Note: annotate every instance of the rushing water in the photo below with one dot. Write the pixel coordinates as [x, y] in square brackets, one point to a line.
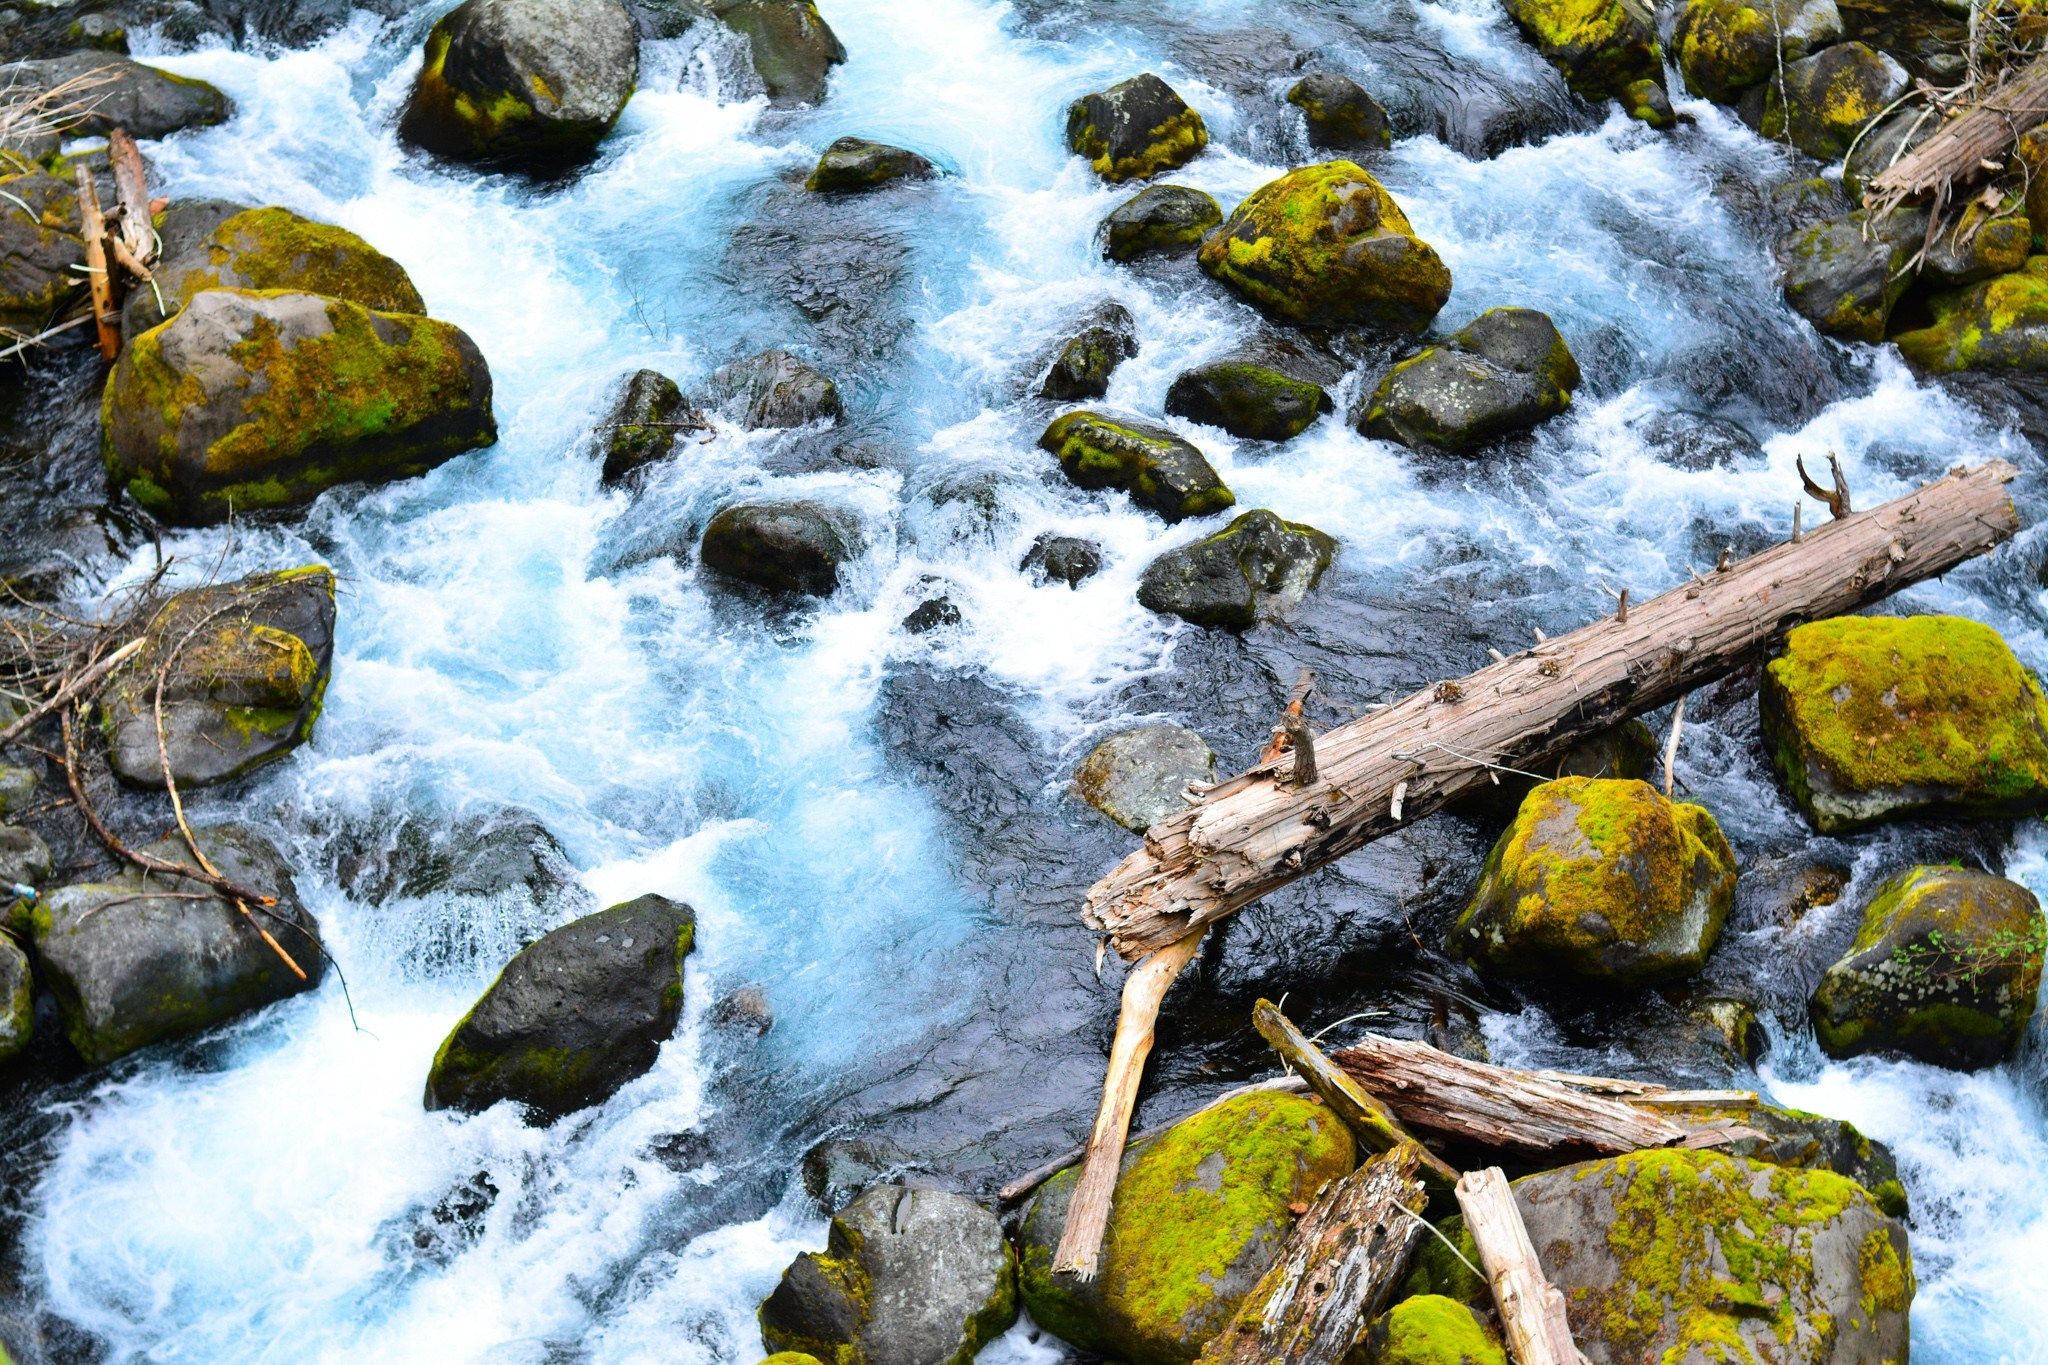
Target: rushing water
[870, 823]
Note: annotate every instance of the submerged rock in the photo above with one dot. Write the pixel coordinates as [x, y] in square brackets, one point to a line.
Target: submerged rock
[1198, 1214]
[1085, 363]
[776, 390]
[1827, 98]
[1504, 372]
[1601, 46]
[1430, 1329]
[1062, 559]
[146, 101]
[906, 1276]
[1846, 274]
[535, 83]
[1341, 116]
[248, 664]
[1600, 880]
[1135, 130]
[781, 546]
[17, 999]
[1945, 968]
[793, 48]
[1727, 46]
[643, 424]
[1157, 468]
[1253, 394]
[1259, 566]
[1869, 718]
[577, 1014]
[934, 613]
[1327, 246]
[1136, 777]
[40, 251]
[1998, 324]
[130, 966]
[854, 165]
[1159, 220]
[247, 401]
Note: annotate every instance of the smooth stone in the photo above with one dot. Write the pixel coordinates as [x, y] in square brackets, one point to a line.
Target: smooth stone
[1136, 777]
[776, 390]
[795, 547]
[1158, 469]
[642, 426]
[792, 47]
[1159, 220]
[145, 101]
[1341, 116]
[854, 165]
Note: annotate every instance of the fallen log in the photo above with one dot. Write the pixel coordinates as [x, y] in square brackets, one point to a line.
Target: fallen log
[1970, 146]
[1336, 1272]
[92, 227]
[1532, 1315]
[1256, 832]
[1364, 1115]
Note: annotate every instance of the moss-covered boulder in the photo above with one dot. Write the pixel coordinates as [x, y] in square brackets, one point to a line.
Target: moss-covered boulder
[1086, 359]
[1258, 567]
[1648, 102]
[535, 84]
[855, 165]
[1997, 324]
[1600, 880]
[1601, 46]
[272, 248]
[1726, 46]
[1981, 243]
[1252, 394]
[906, 1275]
[244, 668]
[1135, 129]
[792, 47]
[1826, 99]
[1808, 1142]
[1157, 468]
[1505, 372]
[1159, 220]
[41, 253]
[794, 547]
[1136, 776]
[145, 100]
[1678, 1255]
[136, 959]
[1340, 114]
[1430, 1329]
[250, 400]
[1873, 717]
[1199, 1213]
[648, 415]
[579, 1012]
[1945, 967]
[17, 999]
[1846, 274]
[1327, 246]
[776, 390]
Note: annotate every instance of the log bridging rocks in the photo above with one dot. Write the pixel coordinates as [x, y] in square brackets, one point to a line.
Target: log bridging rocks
[1966, 148]
[1256, 832]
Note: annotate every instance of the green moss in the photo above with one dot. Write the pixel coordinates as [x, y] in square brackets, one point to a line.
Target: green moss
[1430, 1329]
[274, 248]
[1601, 46]
[2000, 323]
[485, 123]
[1154, 466]
[792, 1358]
[1725, 47]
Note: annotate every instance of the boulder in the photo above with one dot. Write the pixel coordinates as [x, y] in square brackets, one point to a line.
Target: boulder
[129, 966]
[1087, 359]
[1981, 243]
[1254, 394]
[907, 1277]
[1135, 130]
[1601, 46]
[40, 251]
[1647, 101]
[1883, 144]
[1845, 275]
[534, 84]
[578, 1013]
[643, 424]
[1869, 718]
[272, 248]
[1136, 777]
[1945, 968]
[934, 613]
[1727, 46]
[780, 546]
[1159, 220]
[1062, 559]
[1997, 324]
[248, 664]
[1327, 246]
[1827, 98]
[775, 389]
[1673, 1255]
[1258, 567]
[17, 789]
[1505, 372]
[1199, 1213]
[793, 48]
[17, 1000]
[854, 165]
[1157, 468]
[147, 102]
[1600, 880]
[24, 860]
[1809, 1142]
[247, 401]
[1341, 116]
[1430, 1329]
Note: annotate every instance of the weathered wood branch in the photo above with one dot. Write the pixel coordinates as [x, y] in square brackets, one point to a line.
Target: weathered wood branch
[1958, 151]
[1336, 1272]
[131, 193]
[92, 227]
[1256, 832]
[1531, 1308]
[1363, 1114]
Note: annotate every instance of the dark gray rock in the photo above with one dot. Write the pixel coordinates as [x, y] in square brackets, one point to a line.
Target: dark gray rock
[934, 613]
[1505, 372]
[854, 165]
[17, 1000]
[1255, 395]
[1845, 275]
[781, 546]
[793, 48]
[476, 855]
[907, 1277]
[40, 252]
[147, 102]
[129, 966]
[643, 424]
[1160, 220]
[668, 18]
[1979, 244]
[775, 389]
[1884, 144]
[1136, 777]
[1135, 129]
[577, 1014]
[1826, 98]
[1258, 566]
[1062, 559]
[1082, 368]
[24, 860]
[1341, 116]
[1157, 468]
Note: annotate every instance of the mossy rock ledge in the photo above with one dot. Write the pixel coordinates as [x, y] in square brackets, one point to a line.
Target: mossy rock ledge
[1158, 469]
[1727, 46]
[1430, 1329]
[1600, 880]
[906, 1275]
[1262, 392]
[256, 399]
[1136, 129]
[1504, 372]
[40, 251]
[1946, 967]
[1601, 46]
[1327, 246]
[248, 664]
[147, 101]
[576, 1014]
[1675, 1255]
[1260, 566]
[533, 84]
[1997, 324]
[1869, 718]
[1199, 1214]
[1846, 274]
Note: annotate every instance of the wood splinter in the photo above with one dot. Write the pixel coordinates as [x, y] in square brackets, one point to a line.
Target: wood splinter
[1837, 500]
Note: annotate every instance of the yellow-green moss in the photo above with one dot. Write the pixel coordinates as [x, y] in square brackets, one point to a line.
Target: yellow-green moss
[1154, 466]
[274, 248]
[1430, 1329]
[1724, 47]
[2000, 323]
[1601, 46]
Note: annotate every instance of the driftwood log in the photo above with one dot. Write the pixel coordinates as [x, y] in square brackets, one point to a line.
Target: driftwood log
[1336, 1272]
[1364, 1115]
[1532, 1310]
[1969, 147]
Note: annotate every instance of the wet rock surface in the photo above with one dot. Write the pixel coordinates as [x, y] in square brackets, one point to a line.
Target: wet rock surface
[1341, 115]
[1258, 566]
[1088, 358]
[1504, 372]
[775, 389]
[1262, 393]
[795, 547]
[793, 48]
[643, 425]
[1137, 778]
[855, 165]
[144, 100]
[1136, 129]
[1159, 220]
[1158, 469]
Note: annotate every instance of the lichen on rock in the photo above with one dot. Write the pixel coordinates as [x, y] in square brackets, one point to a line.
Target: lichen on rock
[1601, 46]
[1506, 371]
[1259, 566]
[1157, 468]
[1135, 129]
